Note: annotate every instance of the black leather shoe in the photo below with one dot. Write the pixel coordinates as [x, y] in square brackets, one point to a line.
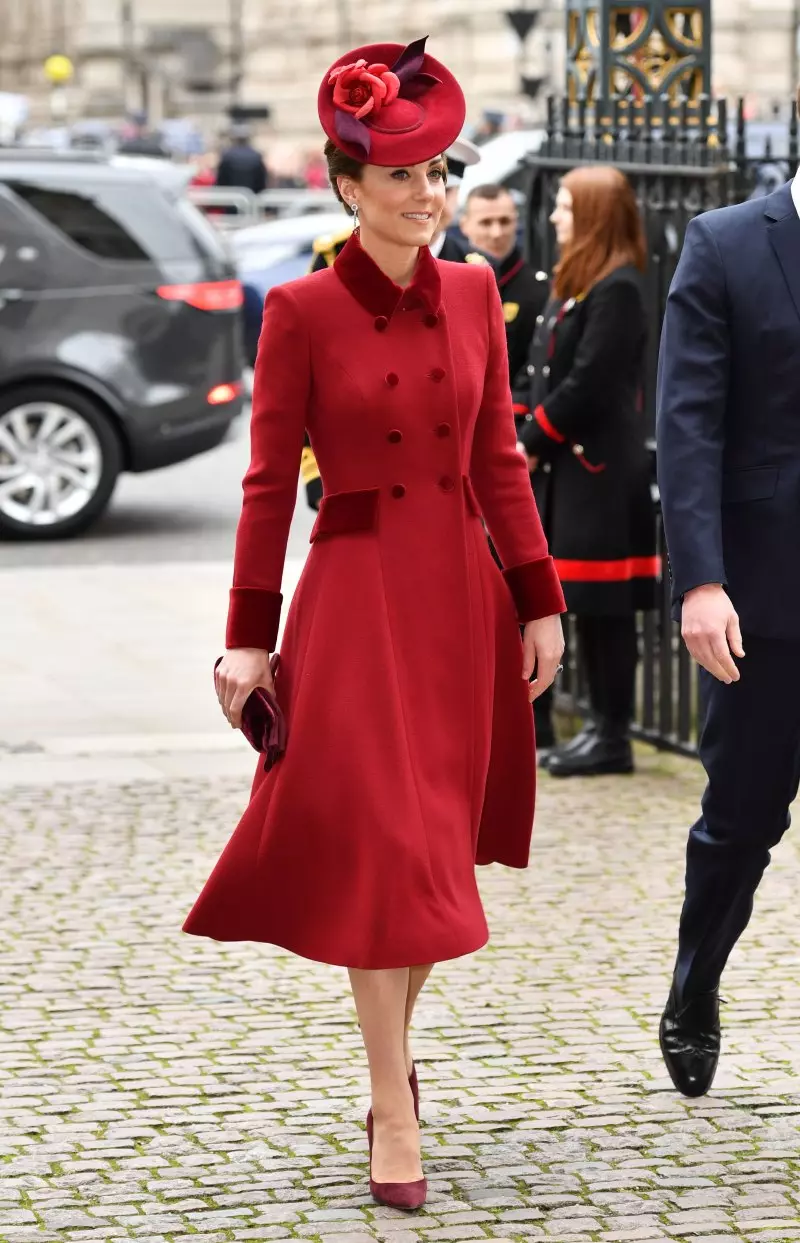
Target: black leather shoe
[689, 1036]
[595, 756]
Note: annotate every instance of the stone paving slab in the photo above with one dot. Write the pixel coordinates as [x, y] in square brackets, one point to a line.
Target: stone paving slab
[159, 1087]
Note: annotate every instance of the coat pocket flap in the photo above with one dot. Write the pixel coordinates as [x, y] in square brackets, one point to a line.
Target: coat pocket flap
[342, 513]
[753, 483]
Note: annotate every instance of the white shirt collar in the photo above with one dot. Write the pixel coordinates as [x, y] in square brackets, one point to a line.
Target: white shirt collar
[796, 192]
[438, 242]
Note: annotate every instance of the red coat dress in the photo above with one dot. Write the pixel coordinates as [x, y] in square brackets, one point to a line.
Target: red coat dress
[410, 754]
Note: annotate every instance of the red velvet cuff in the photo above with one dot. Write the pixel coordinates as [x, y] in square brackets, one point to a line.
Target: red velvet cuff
[535, 589]
[254, 616]
[547, 427]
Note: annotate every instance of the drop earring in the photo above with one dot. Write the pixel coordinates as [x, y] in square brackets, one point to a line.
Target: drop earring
[354, 209]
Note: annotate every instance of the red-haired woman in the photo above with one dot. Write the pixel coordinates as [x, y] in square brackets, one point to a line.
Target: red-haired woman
[586, 441]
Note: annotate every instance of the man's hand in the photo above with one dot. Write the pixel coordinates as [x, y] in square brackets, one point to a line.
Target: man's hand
[710, 629]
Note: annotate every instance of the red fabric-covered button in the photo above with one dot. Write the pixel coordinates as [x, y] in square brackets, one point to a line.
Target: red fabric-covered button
[394, 436]
[381, 323]
[392, 379]
[443, 429]
[438, 374]
[398, 491]
[431, 321]
[446, 483]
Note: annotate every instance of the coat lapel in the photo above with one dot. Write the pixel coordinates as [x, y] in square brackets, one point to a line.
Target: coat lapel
[784, 234]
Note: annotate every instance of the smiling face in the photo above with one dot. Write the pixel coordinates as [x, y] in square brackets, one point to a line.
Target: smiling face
[400, 206]
[561, 218]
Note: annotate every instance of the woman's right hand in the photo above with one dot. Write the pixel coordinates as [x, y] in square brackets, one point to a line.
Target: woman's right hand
[237, 675]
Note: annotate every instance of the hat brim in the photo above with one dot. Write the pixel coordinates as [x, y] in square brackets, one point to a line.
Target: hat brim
[431, 121]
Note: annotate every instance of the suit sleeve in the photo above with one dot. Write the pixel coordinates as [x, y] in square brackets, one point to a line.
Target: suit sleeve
[280, 398]
[693, 377]
[502, 485]
[611, 336]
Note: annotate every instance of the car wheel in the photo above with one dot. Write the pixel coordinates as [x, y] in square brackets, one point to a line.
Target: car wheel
[59, 461]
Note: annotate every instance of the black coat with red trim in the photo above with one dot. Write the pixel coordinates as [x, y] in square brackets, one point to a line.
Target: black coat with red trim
[587, 429]
[524, 295]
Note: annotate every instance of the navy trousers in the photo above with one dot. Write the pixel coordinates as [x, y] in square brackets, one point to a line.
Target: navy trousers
[750, 749]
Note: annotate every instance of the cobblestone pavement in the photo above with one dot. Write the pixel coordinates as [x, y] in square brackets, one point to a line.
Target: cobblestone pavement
[155, 1086]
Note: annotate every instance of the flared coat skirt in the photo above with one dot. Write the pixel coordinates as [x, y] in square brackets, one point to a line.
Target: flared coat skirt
[410, 755]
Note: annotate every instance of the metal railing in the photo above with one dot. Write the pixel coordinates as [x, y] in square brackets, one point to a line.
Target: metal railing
[234, 208]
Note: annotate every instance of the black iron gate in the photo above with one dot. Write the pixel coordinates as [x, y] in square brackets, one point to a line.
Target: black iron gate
[682, 159]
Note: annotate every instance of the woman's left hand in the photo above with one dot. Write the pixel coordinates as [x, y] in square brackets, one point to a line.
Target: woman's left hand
[543, 647]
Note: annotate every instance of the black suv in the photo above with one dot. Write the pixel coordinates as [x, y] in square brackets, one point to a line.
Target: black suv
[120, 335]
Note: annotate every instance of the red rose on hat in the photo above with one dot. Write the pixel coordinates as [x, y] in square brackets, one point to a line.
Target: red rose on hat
[390, 105]
[363, 89]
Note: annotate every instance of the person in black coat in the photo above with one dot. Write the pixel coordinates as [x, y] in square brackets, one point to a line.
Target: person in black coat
[241, 166]
[491, 224]
[585, 439]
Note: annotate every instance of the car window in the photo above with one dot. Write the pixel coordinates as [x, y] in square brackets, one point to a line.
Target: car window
[123, 222]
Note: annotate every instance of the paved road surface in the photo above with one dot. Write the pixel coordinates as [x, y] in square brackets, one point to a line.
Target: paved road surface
[160, 1087]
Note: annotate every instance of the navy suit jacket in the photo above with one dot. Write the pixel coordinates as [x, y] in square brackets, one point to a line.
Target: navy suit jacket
[728, 412]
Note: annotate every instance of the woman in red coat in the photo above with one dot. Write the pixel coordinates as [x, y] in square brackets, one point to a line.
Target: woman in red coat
[402, 676]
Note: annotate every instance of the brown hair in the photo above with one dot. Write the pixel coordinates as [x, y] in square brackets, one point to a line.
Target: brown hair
[341, 165]
[608, 231]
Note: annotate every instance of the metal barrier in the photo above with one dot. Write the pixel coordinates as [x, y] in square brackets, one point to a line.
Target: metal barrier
[234, 208]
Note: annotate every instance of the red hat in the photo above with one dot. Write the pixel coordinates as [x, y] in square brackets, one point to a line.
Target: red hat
[386, 104]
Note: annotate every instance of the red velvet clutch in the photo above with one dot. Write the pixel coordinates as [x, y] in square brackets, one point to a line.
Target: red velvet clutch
[263, 722]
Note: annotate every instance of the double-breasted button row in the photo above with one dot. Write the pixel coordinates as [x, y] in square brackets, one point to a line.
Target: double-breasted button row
[382, 323]
[437, 375]
[442, 430]
[446, 483]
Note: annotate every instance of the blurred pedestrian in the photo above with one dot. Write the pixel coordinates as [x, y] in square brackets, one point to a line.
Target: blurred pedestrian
[139, 139]
[204, 169]
[586, 434]
[402, 674]
[729, 474]
[241, 167]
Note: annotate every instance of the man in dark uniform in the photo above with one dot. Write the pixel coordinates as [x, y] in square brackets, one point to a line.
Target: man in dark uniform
[490, 223]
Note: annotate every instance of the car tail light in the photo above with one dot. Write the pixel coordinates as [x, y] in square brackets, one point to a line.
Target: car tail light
[205, 295]
[223, 392]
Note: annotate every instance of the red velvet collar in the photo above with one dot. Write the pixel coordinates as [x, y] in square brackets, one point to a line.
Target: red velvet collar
[379, 295]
